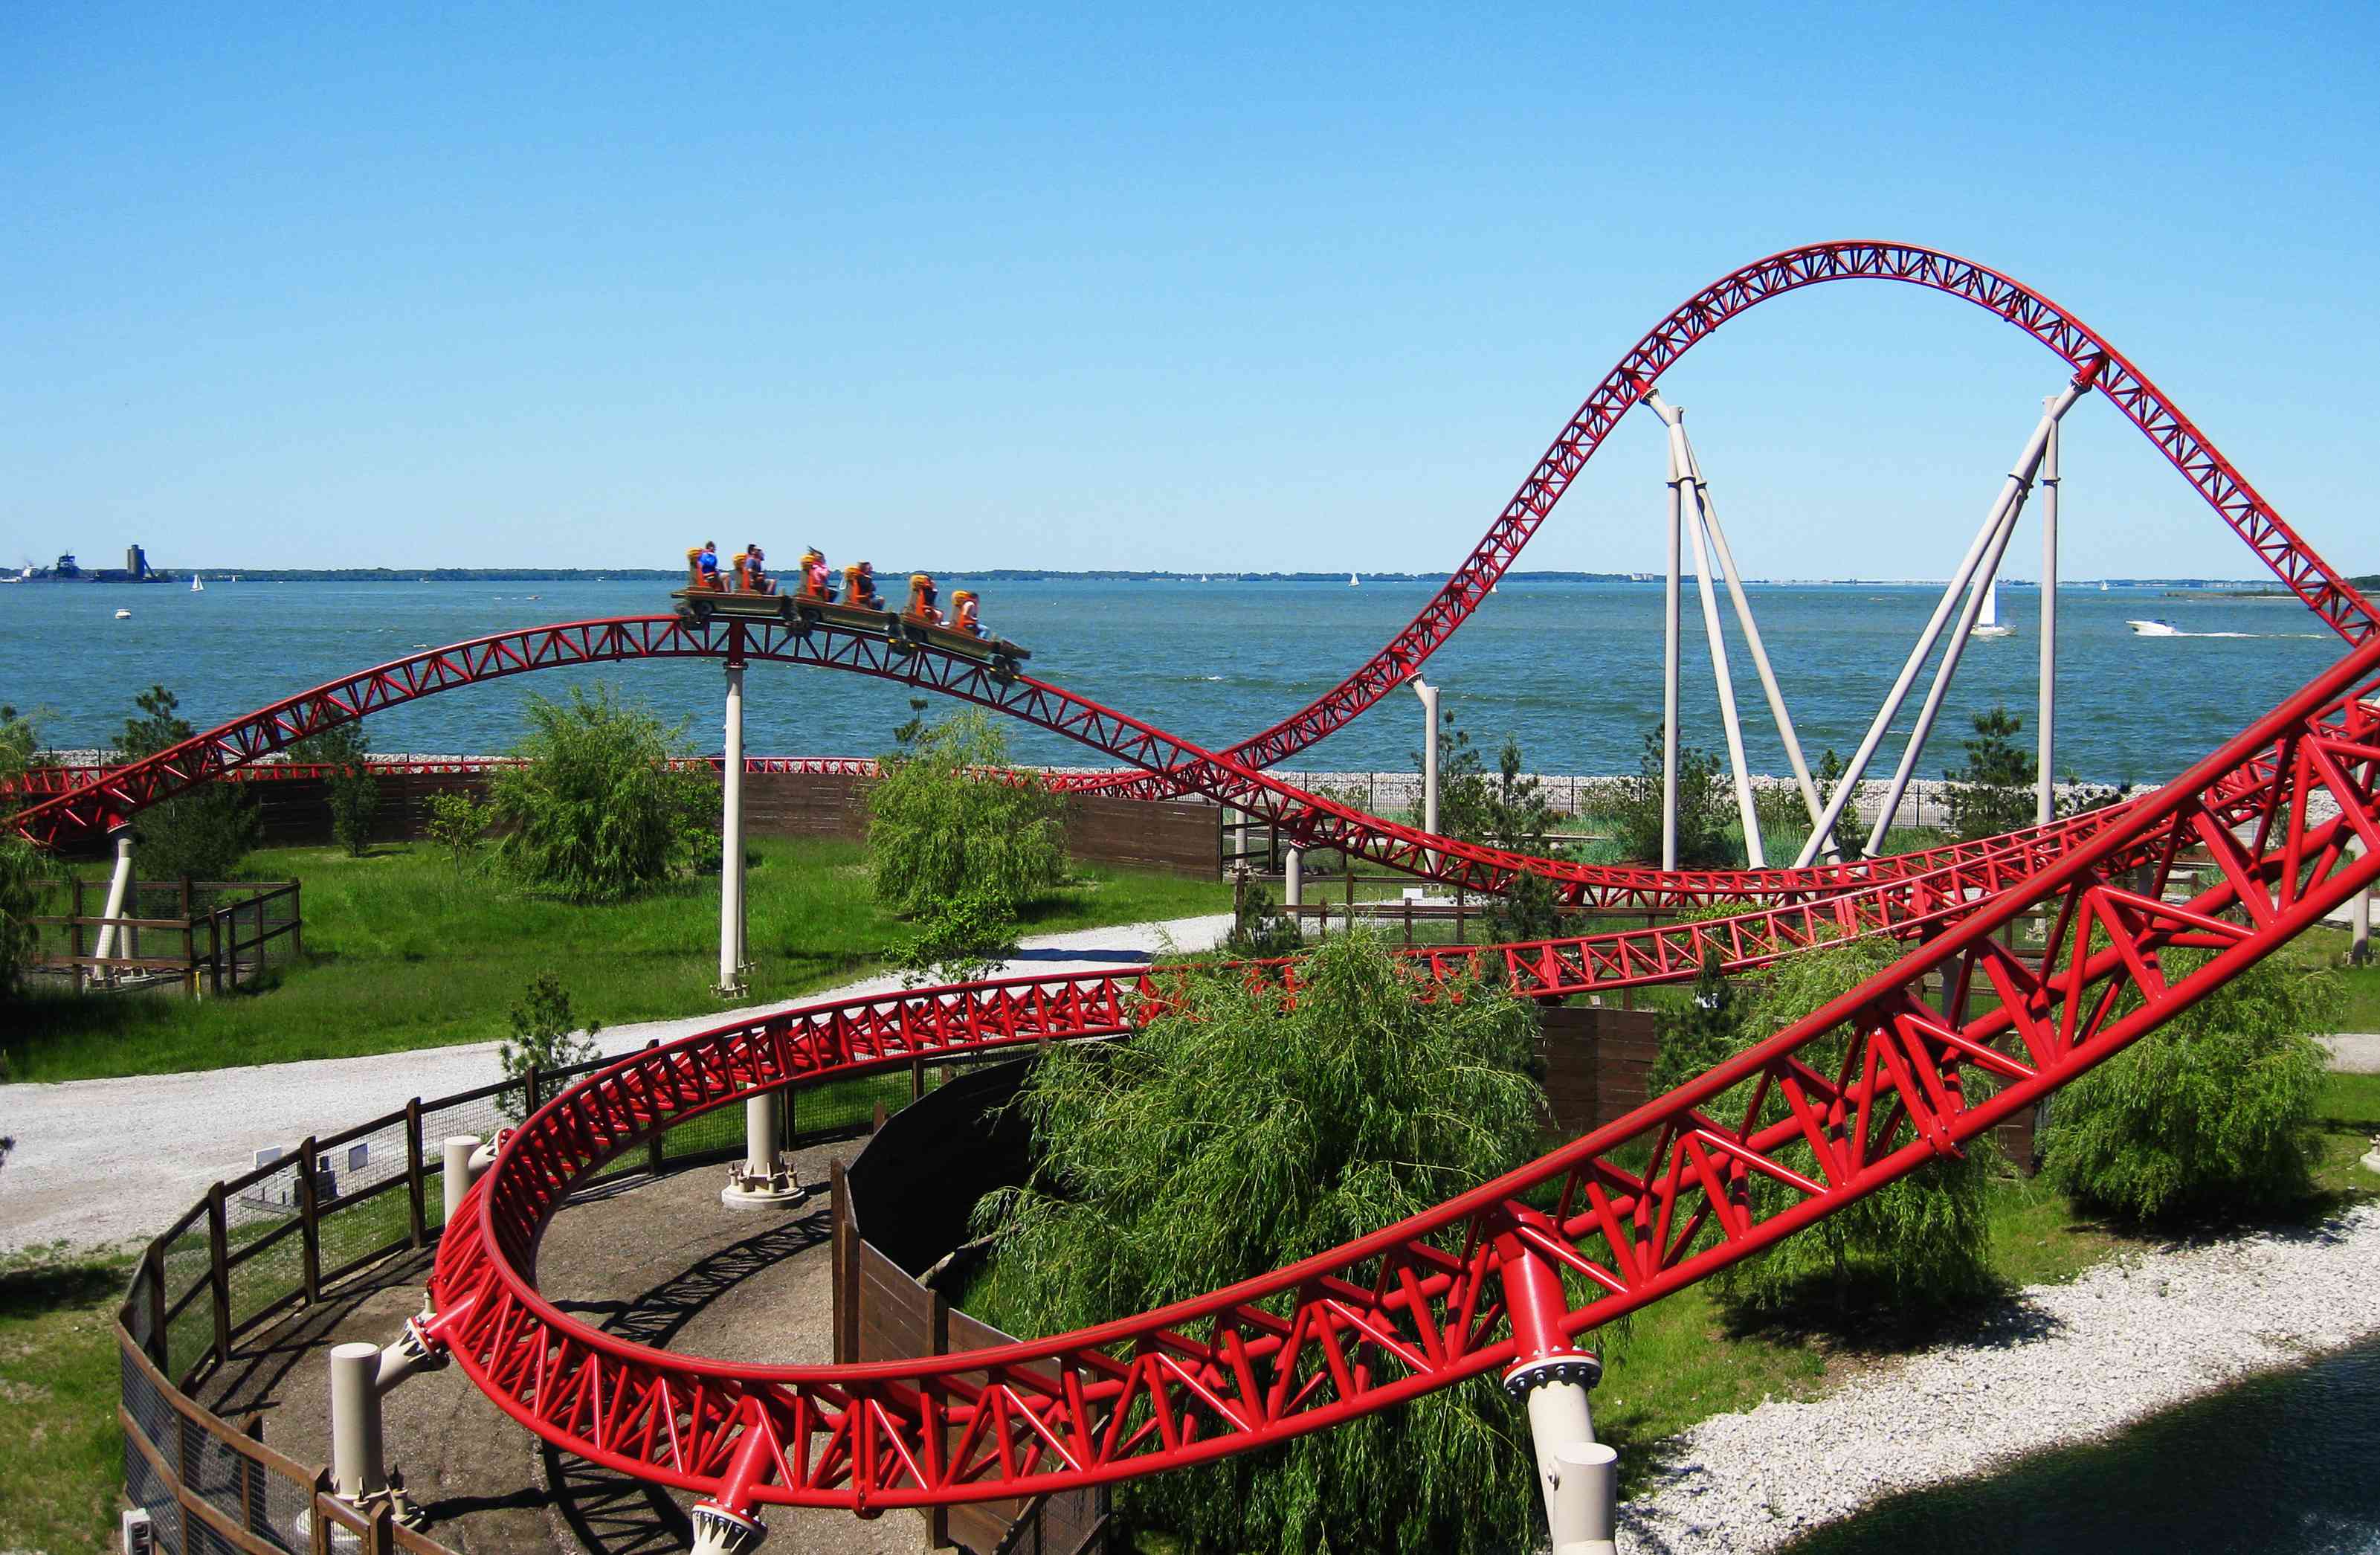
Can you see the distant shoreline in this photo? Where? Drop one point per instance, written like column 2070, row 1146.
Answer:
column 2217, row 586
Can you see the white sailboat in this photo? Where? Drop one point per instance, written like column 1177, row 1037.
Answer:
column 197, row 584
column 1988, row 624
column 2103, row 586
column 1352, row 582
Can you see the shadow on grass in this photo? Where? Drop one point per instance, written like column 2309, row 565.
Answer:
column 38, row 1282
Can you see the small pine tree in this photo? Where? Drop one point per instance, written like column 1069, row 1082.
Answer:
column 203, row 833
column 1636, row 803
column 1828, row 776
column 545, row 1037
column 456, row 822
column 1259, row 930
column 1515, row 817
column 351, row 791
column 1992, row 792
column 2208, row 1114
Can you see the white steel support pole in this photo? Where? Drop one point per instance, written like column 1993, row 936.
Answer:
column 2045, row 791
column 117, row 885
column 731, row 841
column 762, row 1178
column 1291, row 869
column 1722, row 676
column 465, row 1160
column 1428, row 694
column 2026, row 464
column 1957, row 646
column 1744, row 616
column 1670, row 625
column 359, row 1469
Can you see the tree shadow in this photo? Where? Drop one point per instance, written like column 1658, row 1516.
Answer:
column 42, row 1280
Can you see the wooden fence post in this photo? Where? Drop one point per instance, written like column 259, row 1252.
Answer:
column 529, row 1092
column 653, row 1145
column 309, row 1220
column 296, row 921
column 251, row 1478
column 159, row 1354
column 219, row 1271
column 416, row 1178
column 74, row 933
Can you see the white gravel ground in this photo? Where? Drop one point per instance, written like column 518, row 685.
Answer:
column 2058, row 1364
column 103, row 1161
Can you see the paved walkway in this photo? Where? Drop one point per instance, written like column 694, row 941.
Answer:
column 103, row 1161
column 2354, row 1052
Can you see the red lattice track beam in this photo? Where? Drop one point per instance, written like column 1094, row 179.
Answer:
column 1866, row 1090
column 1307, row 820
column 2201, row 463
column 67, row 777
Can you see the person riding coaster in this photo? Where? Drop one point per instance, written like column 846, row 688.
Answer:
column 752, row 572
column 922, row 595
column 815, row 576
column 859, row 586
column 964, row 616
column 702, row 567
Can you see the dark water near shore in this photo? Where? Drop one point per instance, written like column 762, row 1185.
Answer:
column 2288, row 1463
column 1572, row 669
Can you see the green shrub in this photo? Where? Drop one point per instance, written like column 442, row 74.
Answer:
column 351, row 791
column 1700, row 1037
column 203, row 833
column 2208, row 1114
column 456, row 822
column 1993, row 790
column 946, row 820
column 956, row 940
column 1917, row 1247
column 1231, row 1137
column 545, row 1038
column 595, row 812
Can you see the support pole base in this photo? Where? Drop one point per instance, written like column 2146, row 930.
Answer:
column 747, row 1190
column 719, row 1531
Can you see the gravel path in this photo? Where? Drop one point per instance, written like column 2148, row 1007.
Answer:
column 2354, row 1052
column 103, row 1161
column 2058, row 1364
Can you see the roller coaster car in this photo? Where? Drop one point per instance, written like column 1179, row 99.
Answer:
column 905, row 634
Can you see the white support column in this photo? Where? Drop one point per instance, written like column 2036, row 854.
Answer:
column 1670, row 625
column 1578, row 1476
column 1744, row 618
column 731, row 843
column 1291, row 869
column 1722, row 676
column 762, row 1178
column 2044, row 793
column 117, row 885
column 1957, row 646
column 465, row 1160
column 2358, row 916
column 359, row 1469
column 1428, row 694
column 2027, row 464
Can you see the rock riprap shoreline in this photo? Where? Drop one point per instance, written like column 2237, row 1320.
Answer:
column 2053, row 1365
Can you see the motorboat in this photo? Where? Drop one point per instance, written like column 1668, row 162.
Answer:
column 1988, row 624
column 2154, row 628
column 124, row 616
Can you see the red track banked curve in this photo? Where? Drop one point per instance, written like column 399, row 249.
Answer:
column 2306, row 575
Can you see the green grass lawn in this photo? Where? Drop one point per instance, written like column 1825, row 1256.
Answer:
column 2324, row 946
column 406, row 951
column 61, row 1451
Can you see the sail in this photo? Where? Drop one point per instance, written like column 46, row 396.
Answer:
column 1991, row 616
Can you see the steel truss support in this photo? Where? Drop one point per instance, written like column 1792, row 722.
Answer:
column 1684, row 462
column 1992, row 533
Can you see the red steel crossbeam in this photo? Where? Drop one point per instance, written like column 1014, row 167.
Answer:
column 1308, row 819
column 2306, row 575
column 1879, row 1081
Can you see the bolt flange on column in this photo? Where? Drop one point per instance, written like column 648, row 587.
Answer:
column 762, row 1177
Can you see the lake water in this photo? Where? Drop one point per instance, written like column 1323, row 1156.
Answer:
column 2287, row 1465
column 1574, row 669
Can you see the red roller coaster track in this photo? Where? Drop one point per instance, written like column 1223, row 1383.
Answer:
column 1832, row 1108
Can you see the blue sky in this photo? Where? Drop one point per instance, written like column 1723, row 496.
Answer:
column 1198, row 288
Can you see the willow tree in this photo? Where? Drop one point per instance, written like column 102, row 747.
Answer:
column 1234, row 1135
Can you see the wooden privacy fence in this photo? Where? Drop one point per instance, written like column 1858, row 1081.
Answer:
column 303, row 1227
column 214, row 935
